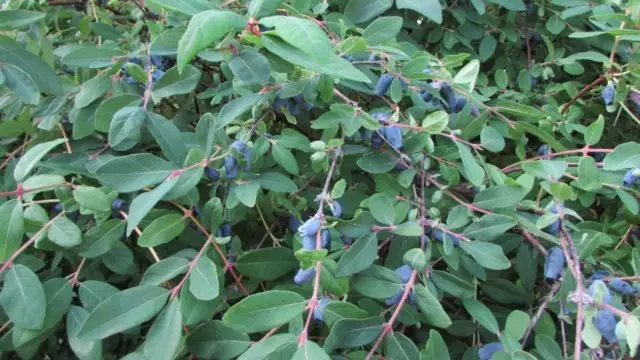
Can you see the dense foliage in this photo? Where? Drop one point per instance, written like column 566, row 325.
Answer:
column 313, row 179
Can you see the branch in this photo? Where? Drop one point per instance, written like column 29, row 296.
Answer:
column 584, row 90
column 554, row 290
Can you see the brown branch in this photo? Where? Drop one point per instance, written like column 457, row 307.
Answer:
column 584, row 90
column 554, row 290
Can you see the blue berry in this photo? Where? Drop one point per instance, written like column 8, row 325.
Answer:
column 157, row 74
column 119, row 204
column 310, row 227
column 376, row 140
column 608, row 94
column 323, row 301
column 278, row 104
column 231, row 166
column 381, row 116
column 531, row 8
column 474, row 110
column 458, row 104
column 57, row 208
column 244, row 150
column 373, row 57
column 426, row 96
column 394, row 299
column 439, row 236
column 156, row 60
column 293, row 223
column 383, row 84
column 73, row 216
column 606, row 298
column 605, row 321
column 553, row 229
column 309, row 242
column 622, row 287
column 393, row 134
column 346, row 240
column 325, row 239
column 224, row 230
column 487, row 351
column 599, row 275
column 404, row 272
column 631, row 177
column 212, row 174
column 336, row 208
column 544, row 150
column 553, row 263
column 304, row 275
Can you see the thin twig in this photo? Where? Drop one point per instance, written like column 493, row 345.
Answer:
column 554, row 290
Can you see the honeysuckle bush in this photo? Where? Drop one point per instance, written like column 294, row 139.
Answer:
column 313, row 179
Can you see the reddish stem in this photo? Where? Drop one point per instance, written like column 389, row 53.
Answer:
column 586, row 150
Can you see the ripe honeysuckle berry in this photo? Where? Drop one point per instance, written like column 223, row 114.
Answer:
column 599, row 275
column 279, row 103
column 608, row 94
column 323, row 301
column 309, row 242
column 376, row 139
column 606, row 298
column 73, row 216
column 246, row 153
column 404, row 272
column 156, row 60
column 365, row 134
column 336, row 208
column 393, row 134
column 426, row 95
column 381, row 116
column 544, row 150
column 439, row 236
column 231, row 166
column 346, row 240
column 293, row 223
column 157, row 74
column 57, row 208
column 605, row 321
column 383, row 84
column 394, row 299
column 554, row 263
column 631, row 177
column 224, row 230
column 531, row 8
column 325, row 239
column 488, row 350
column 310, row 227
column 119, row 204
column 212, row 174
column 300, row 101
column 553, row 229
column 622, row 287
column 304, row 275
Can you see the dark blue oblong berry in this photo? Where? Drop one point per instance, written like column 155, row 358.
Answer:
column 293, row 223
column 439, row 236
column 346, row 240
column 310, row 227
column 553, row 229
column 157, row 74
column 73, row 216
column 381, row 116
column 631, row 177
column 119, row 204
column 393, row 134
column 231, row 166
column 531, row 8
column 487, row 351
column 224, row 230
column 336, row 208
column 325, row 239
column 474, row 110
column 605, row 321
column 304, row 275
column 309, row 242
column 404, row 272
column 383, row 84
column 323, row 301
column 244, row 150
column 394, row 299
column 156, row 60
column 376, row 140
column 458, row 104
column 57, row 208
column 606, row 298
column 608, row 94
column 544, row 150
column 554, row 263
column 622, row 287
column 599, row 275
column 212, row 174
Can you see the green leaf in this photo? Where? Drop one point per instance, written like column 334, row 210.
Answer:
column 624, row 156
column 436, row 348
column 513, row 5
column 472, row 170
column 12, row 53
column 491, row 139
column 169, row 137
column 501, row 196
column 92, row 90
column 555, row 24
column 164, row 270
column 310, row 350
column 359, row 256
column 381, row 207
column 303, row 34
column 204, row 280
column 436, row 122
column 594, row 131
column 92, row 293
column 544, row 136
column 468, row 75
column 63, row 232
column 382, row 29
column 452, row 284
column 23, row 298
column 630, row 202
column 264, row 311
column 416, row 259
column 18, row 19
column 91, row 198
column 176, row 83
column 105, row 111
column 262, row 8
column 547, row 347
column 481, row 314
column 284, row 157
column 489, row 227
column 233, row 109
column 487, row 47
column 251, row 68
column 133, row 172
column 162, row 230
column 399, row 346
column 83, row 349
column 359, row 11
column 11, row 228
column 164, row 336
column 187, row 7
column 487, row 254
column 143, row 203
column 204, row 29
column 126, row 125
column 376, row 163
column 276, row 182
column 247, row 193
column 352, row 333
column 280, row 346
column 431, row 307
column 92, row 57
column 21, row 84
column 377, row 282
column 100, row 239
column 429, row 8
column 213, row 339
column 31, row 158
column 123, row 310
column 517, row 324
column 266, row 264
